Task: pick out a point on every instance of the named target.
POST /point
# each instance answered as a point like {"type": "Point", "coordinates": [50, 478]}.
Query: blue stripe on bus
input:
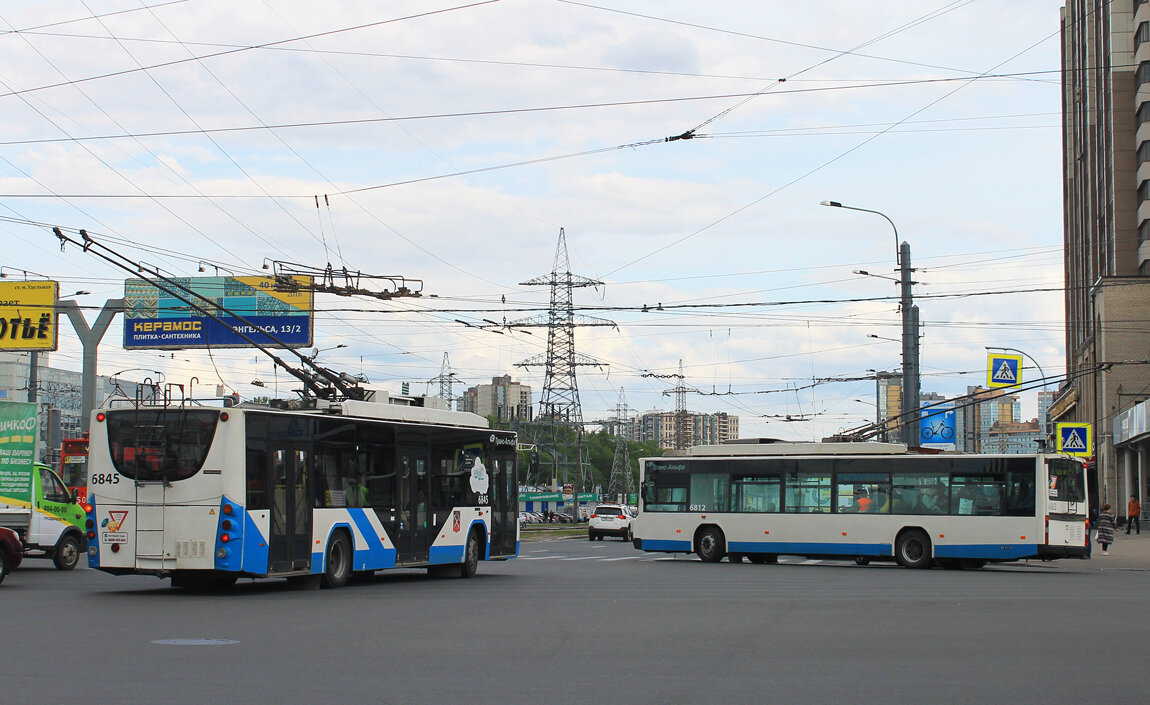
{"type": "Point", "coordinates": [445, 554]}
{"type": "Point", "coordinates": [664, 545]}
{"type": "Point", "coordinates": [255, 548]}
{"type": "Point", "coordinates": [988, 551]}
{"type": "Point", "coordinates": [375, 556]}
{"type": "Point", "coordinates": [799, 548]}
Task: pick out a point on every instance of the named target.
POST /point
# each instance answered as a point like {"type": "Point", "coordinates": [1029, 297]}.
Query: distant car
{"type": "Point", "coordinates": [610, 520]}
{"type": "Point", "coordinates": [11, 551]}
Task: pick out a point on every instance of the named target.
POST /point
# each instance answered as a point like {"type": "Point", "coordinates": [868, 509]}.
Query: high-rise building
{"type": "Point", "coordinates": [503, 399]}
{"type": "Point", "coordinates": [704, 429]}
{"type": "Point", "coordinates": [1106, 223]}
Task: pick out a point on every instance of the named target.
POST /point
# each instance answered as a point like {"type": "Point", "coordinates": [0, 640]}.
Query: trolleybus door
{"type": "Point", "coordinates": [412, 492]}
{"type": "Point", "coordinates": [289, 546]}
{"type": "Point", "coordinates": [504, 518]}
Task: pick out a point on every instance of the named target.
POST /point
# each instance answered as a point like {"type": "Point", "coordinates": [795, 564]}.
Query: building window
{"type": "Point", "coordinates": [1143, 113]}
{"type": "Point", "coordinates": [1144, 231]}
{"type": "Point", "coordinates": [1144, 152]}
{"type": "Point", "coordinates": [1143, 73]}
{"type": "Point", "coordinates": [1142, 34]}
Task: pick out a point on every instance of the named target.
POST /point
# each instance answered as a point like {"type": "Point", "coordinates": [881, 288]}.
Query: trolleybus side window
{"type": "Point", "coordinates": [756, 493]}
{"type": "Point", "coordinates": [920, 493]}
{"type": "Point", "coordinates": [709, 492]}
{"type": "Point", "coordinates": [809, 492]}
{"type": "Point", "coordinates": [666, 491]}
{"type": "Point", "coordinates": [862, 492]}
{"type": "Point", "coordinates": [978, 494]}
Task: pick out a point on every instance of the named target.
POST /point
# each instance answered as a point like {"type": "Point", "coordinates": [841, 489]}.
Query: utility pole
{"type": "Point", "coordinates": [445, 378]}
{"type": "Point", "coordinates": [910, 349]}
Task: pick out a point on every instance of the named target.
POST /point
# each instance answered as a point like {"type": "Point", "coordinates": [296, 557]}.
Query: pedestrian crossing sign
{"type": "Point", "coordinates": [1003, 370]}
{"type": "Point", "coordinates": [1076, 439]}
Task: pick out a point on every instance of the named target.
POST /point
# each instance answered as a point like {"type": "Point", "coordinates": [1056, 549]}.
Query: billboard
{"type": "Point", "coordinates": [937, 426]}
{"type": "Point", "coordinates": [155, 319]}
{"type": "Point", "coordinates": [17, 448]}
{"type": "Point", "coordinates": [27, 315]}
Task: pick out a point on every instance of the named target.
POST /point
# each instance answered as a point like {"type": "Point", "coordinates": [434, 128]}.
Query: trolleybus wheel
{"type": "Point", "coordinates": [470, 557]}
{"type": "Point", "coordinates": [913, 549]}
{"type": "Point", "coordinates": [67, 552]}
{"type": "Point", "coordinates": [709, 545]}
{"type": "Point", "coordinates": [734, 558]}
{"type": "Point", "coordinates": [338, 566]}
{"type": "Point", "coordinates": [970, 563]}
{"type": "Point", "coordinates": [862, 560]}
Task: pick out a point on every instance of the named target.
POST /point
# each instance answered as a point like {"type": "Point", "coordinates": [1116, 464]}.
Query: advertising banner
{"type": "Point", "coordinates": [27, 315]}
{"type": "Point", "coordinates": [17, 449]}
{"type": "Point", "coordinates": [937, 426]}
{"type": "Point", "coordinates": [155, 319]}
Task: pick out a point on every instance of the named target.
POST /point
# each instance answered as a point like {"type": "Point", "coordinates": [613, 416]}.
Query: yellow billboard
{"type": "Point", "coordinates": [27, 315]}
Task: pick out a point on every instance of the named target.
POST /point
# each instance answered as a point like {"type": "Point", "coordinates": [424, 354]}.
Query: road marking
{"type": "Point", "coordinates": [580, 558]}
{"type": "Point", "coordinates": [194, 642]}
{"type": "Point", "coordinates": [537, 558]}
{"type": "Point", "coordinates": [624, 558]}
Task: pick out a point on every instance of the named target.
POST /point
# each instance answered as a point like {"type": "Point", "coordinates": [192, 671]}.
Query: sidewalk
{"type": "Point", "coordinates": [1126, 553]}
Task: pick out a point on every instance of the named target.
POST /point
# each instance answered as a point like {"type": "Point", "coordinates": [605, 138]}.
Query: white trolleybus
{"type": "Point", "coordinates": [208, 495]}
{"type": "Point", "coordinates": [866, 501]}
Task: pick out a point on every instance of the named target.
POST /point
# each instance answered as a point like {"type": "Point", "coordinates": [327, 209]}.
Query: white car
{"type": "Point", "coordinates": [610, 520]}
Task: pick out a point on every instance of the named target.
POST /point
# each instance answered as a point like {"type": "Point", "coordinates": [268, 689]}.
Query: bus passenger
{"type": "Point", "coordinates": [864, 502]}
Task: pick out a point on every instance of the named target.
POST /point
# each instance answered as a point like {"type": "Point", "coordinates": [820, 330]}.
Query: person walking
{"type": "Point", "coordinates": [1106, 528]}
{"type": "Point", "coordinates": [1133, 509]}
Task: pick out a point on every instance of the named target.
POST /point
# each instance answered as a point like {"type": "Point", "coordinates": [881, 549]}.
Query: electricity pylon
{"type": "Point", "coordinates": [559, 407]}
{"type": "Point", "coordinates": [445, 378]}
{"type": "Point", "coordinates": [621, 480]}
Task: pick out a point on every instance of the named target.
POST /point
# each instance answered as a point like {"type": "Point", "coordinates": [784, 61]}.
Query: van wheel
{"type": "Point", "coordinates": [337, 568]}
{"type": "Point", "coordinates": [913, 550]}
{"type": "Point", "coordinates": [67, 553]}
{"type": "Point", "coordinates": [709, 545]}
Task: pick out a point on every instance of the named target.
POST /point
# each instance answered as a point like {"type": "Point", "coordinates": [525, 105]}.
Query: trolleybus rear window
{"type": "Point", "coordinates": [158, 445]}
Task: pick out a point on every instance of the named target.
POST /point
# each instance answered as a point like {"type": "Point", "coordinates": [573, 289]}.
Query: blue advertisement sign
{"type": "Point", "coordinates": [155, 319]}
{"type": "Point", "coordinates": [937, 426]}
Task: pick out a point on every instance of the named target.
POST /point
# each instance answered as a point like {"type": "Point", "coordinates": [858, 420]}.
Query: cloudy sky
{"type": "Point", "coordinates": [449, 143]}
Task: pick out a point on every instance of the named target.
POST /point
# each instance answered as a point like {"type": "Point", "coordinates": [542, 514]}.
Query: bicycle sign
{"type": "Point", "coordinates": [937, 426]}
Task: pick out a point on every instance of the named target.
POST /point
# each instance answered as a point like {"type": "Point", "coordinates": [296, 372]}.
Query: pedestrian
{"type": "Point", "coordinates": [1105, 528]}
{"type": "Point", "coordinates": [1133, 509]}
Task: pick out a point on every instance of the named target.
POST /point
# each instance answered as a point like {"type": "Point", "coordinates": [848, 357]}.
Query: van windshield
{"type": "Point", "coordinates": [160, 445]}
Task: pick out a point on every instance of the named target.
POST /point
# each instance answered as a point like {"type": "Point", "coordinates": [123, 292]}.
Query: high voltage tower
{"type": "Point", "coordinates": [621, 481]}
{"type": "Point", "coordinates": [559, 411]}
{"type": "Point", "coordinates": [445, 378]}
{"type": "Point", "coordinates": [684, 437]}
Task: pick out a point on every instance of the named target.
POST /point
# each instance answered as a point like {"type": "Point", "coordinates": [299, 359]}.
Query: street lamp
{"type": "Point", "coordinates": [910, 366]}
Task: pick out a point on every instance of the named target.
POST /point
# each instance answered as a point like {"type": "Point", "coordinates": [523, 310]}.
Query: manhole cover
{"type": "Point", "coordinates": [195, 642]}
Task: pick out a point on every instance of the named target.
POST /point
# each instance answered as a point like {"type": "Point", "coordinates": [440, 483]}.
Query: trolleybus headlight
{"type": "Point", "coordinates": [224, 538]}
{"type": "Point", "coordinates": [92, 550]}
{"type": "Point", "coordinates": [226, 523]}
{"type": "Point", "coordinates": [222, 553]}
{"type": "Point", "coordinates": [228, 509]}
{"type": "Point", "coordinates": [87, 508]}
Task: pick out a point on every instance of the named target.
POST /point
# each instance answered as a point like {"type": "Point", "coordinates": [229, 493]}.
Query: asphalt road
{"type": "Point", "coordinates": [579, 622]}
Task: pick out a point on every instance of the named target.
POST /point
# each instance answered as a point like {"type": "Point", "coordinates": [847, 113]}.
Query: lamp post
{"type": "Point", "coordinates": [910, 366]}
